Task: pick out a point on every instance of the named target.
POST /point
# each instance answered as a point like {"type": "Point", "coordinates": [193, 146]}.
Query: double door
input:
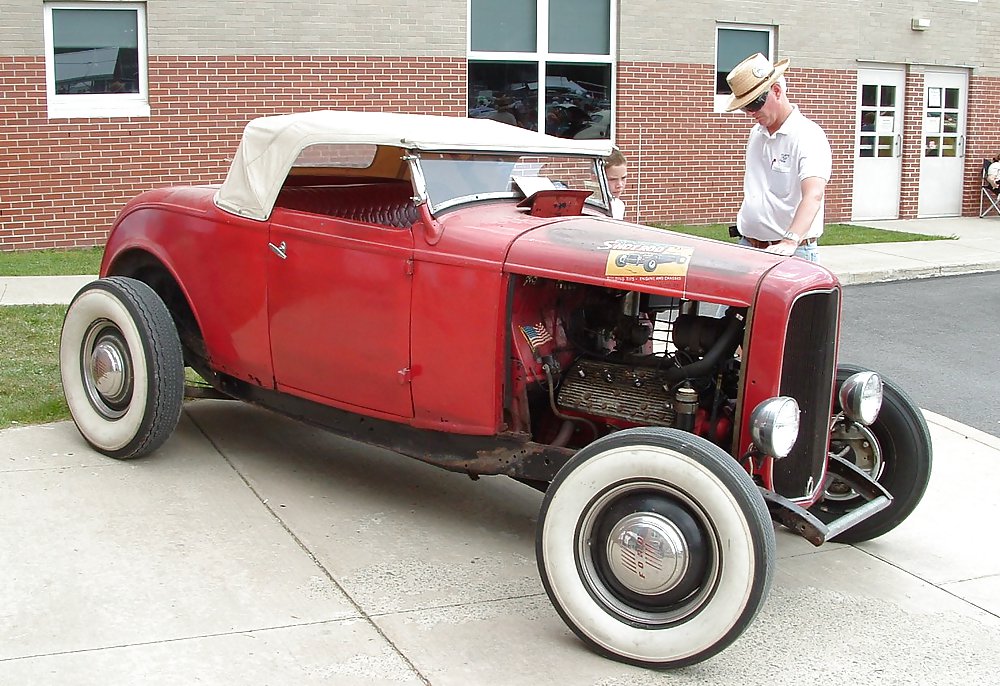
{"type": "Point", "coordinates": [879, 150]}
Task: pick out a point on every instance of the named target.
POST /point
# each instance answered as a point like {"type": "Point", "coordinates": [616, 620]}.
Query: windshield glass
{"type": "Point", "coordinates": [453, 178]}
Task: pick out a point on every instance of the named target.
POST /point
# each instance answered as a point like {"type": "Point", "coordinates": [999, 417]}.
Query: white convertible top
{"type": "Point", "coordinates": [270, 146]}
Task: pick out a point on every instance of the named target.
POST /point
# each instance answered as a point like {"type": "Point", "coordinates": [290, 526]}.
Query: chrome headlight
{"type": "Point", "coordinates": [861, 397]}
{"type": "Point", "coordinates": [774, 426]}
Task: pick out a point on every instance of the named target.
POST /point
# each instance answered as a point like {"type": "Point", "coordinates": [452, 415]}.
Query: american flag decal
{"type": "Point", "coordinates": [536, 334]}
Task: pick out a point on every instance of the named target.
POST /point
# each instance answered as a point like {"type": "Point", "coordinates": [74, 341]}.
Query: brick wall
{"type": "Point", "coordinates": [982, 136]}
{"type": "Point", "coordinates": [913, 144]}
{"type": "Point", "coordinates": [62, 181]}
{"type": "Point", "coordinates": [688, 160]}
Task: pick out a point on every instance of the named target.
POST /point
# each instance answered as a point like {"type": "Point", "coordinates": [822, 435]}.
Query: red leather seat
{"type": "Point", "coordinates": [385, 204]}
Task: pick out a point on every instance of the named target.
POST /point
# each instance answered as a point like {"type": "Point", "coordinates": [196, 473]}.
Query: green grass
{"type": "Point", "coordinates": [833, 234]}
{"type": "Point", "coordinates": [51, 262]}
{"type": "Point", "coordinates": [30, 389]}
{"type": "Point", "coordinates": [30, 386]}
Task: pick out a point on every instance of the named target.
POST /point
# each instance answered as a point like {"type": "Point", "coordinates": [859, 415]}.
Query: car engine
{"type": "Point", "coordinates": [590, 360]}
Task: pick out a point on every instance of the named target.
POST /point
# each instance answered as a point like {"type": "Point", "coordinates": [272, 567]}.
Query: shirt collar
{"type": "Point", "coordinates": [790, 123]}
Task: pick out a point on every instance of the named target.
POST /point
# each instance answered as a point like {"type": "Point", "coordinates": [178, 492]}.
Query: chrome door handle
{"type": "Point", "coordinates": [278, 250]}
{"type": "Point", "coordinates": [899, 145]}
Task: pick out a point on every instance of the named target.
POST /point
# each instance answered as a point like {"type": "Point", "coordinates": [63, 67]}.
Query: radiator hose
{"type": "Point", "coordinates": [723, 347]}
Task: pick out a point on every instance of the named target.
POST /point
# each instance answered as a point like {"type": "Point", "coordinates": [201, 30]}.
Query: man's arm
{"type": "Point", "coordinates": [813, 191]}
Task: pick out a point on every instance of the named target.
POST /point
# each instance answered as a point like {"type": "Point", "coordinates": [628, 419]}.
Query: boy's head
{"type": "Point", "coordinates": [616, 169]}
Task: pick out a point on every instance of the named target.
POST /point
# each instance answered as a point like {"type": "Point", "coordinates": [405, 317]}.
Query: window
{"type": "Point", "coordinates": [349, 155]}
{"type": "Point", "coordinates": [567, 45]}
{"type": "Point", "coordinates": [95, 59]}
{"type": "Point", "coordinates": [733, 44]}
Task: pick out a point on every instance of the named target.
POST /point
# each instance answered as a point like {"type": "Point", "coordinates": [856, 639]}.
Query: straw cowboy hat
{"type": "Point", "coordinates": [751, 77]}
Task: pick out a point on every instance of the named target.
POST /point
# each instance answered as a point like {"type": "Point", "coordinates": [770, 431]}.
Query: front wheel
{"type": "Point", "coordinates": [655, 547]}
{"type": "Point", "coordinates": [122, 367]}
{"type": "Point", "coordinates": [895, 450]}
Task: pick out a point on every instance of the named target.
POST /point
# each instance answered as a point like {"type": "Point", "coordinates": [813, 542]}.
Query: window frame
{"type": "Point", "coordinates": [97, 104]}
{"type": "Point", "coordinates": [720, 100]}
{"type": "Point", "coordinates": [541, 57]}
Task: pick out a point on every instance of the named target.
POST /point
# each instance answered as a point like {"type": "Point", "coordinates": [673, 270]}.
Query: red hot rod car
{"type": "Point", "coordinates": [671, 396]}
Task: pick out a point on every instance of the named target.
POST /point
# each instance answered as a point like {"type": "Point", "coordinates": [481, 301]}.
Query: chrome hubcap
{"type": "Point", "coordinates": [647, 553]}
{"type": "Point", "coordinates": [107, 368]}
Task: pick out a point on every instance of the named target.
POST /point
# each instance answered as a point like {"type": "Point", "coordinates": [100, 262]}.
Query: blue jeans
{"type": "Point", "coordinates": [807, 251]}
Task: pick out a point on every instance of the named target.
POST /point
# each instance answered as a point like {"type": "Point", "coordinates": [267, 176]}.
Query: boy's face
{"type": "Point", "coordinates": [616, 179]}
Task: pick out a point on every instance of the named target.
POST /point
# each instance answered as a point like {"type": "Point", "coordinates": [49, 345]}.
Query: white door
{"type": "Point", "coordinates": [942, 161]}
{"type": "Point", "coordinates": [878, 137]}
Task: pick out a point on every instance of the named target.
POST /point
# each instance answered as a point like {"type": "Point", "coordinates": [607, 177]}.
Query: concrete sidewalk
{"type": "Point", "coordinates": [254, 550]}
{"type": "Point", "coordinates": [977, 249]}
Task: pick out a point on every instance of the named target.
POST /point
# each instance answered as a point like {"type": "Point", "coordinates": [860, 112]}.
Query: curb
{"type": "Point", "coordinates": [887, 275]}
{"type": "Point", "coordinates": [962, 430]}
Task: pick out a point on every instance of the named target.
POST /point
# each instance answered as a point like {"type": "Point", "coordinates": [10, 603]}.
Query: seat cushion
{"type": "Point", "coordinates": [386, 204]}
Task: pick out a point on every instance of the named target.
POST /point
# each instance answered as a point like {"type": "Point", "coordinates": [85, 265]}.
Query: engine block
{"type": "Point", "coordinates": [604, 389]}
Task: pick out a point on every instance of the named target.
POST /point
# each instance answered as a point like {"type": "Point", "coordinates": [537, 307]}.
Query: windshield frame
{"type": "Point", "coordinates": [419, 173]}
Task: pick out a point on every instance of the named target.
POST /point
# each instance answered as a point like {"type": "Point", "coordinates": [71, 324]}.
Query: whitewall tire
{"type": "Point", "coordinates": [122, 367]}
{"type": "Point", "coordinates": [655, 547]}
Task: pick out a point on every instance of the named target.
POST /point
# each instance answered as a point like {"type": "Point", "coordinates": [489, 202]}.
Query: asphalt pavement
{"type": "Point", "coordinates": [255, 550]}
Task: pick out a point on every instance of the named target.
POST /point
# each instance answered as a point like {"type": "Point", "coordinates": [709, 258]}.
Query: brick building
{"type": "Point", "coordinates": [103, 99]}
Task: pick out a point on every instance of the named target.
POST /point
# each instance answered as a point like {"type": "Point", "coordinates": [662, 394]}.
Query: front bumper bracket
{"type": "Point", "coordinates": [813, 529]}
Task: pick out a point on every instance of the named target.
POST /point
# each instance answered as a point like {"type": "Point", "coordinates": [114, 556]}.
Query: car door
{"type": "Point", "coordinates": [339, 311]}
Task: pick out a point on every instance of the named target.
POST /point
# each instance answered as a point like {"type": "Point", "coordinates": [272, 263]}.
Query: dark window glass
{"type": "Point", "coordinates": [735, 45]}
{"type": "Point", "coordinates": [504, 91]}
{"type": "Point", "coordinates": [866, 146]}
{"type": "Point", "coordinates": [888, 96]}
{"type": "Point", "coordinates": [951, 98]}
{"type": "Point", "coordinates": [95, 51]}
{"type": "Point", "coordinates": [869, 95]}
{"type": "Point", "coordinates": [504, 25]}
{"type": "Point", "coordinates": [580, 26]}
{"type": "Point", "coordinates": [578, 100]}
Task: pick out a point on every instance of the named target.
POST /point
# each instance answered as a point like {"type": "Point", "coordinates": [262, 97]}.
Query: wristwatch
{"type": "Point", "coordinates": [788, 235]}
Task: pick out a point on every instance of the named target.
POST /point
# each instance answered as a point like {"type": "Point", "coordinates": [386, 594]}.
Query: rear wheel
{"type": "Point", "coordinates": [122, 367]}
{"type": "Point", "coordinates": [655, 547]}
{"type": "Point", "coordinates": [895, 450]}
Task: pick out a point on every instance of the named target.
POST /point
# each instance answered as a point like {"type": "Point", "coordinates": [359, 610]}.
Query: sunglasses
{"type": "Point", "coordinates": [758, 102]}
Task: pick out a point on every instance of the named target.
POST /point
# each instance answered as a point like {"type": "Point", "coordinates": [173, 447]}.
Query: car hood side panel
{"type": "Point", "coordinates": [616, 254]}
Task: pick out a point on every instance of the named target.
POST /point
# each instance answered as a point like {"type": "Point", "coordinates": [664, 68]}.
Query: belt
{"type": "Point", "coordinates": [766, 244]}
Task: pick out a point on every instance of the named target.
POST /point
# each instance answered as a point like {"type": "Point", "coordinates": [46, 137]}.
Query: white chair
{"type": "Point", "coordinates": [989, 197]}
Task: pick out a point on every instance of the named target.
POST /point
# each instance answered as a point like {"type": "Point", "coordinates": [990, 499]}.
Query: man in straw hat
{"type": "Point", "coordinates": [788, 163]}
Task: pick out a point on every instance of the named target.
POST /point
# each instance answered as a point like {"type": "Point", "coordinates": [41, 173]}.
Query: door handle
{"type": "Point", "coordinates": [899, 145]}
{"type": "Point", "coordinates": [961, 146]}
{"type": "Point", "coordinates": [278, 250]}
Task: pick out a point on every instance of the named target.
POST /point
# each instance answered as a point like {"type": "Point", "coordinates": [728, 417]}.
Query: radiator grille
{"type": "Point", "coordinates": [807, 374]}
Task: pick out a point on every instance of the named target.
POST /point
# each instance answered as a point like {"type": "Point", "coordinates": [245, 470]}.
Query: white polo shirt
{"type": "Point", "coordinates": [775, 168]}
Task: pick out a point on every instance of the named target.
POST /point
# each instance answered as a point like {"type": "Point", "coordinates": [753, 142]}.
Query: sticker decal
{"type": "Point", "coordinates": [635, 261]}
